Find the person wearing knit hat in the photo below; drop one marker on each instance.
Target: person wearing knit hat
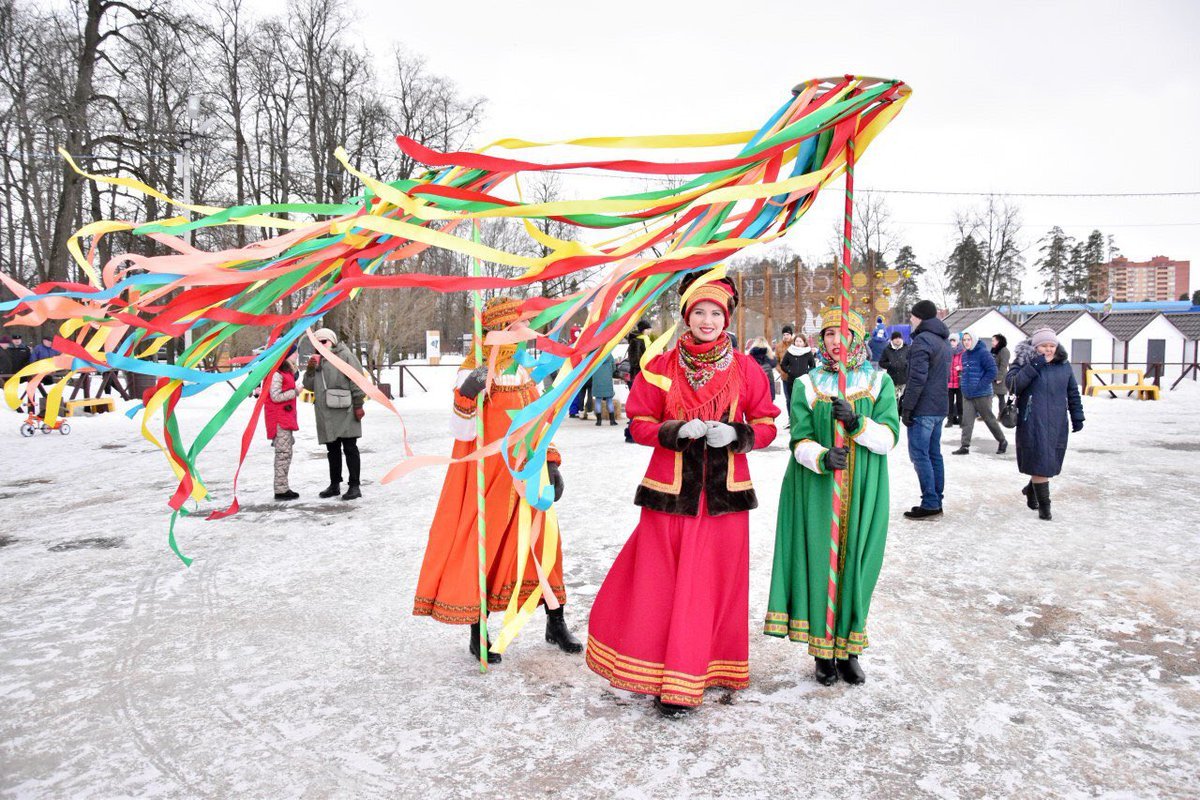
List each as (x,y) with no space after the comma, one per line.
(1047,402)
(796,608)
(924,405)
(448,584)
(670,619)
(338,404)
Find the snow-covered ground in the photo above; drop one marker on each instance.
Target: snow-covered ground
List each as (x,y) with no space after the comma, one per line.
(1010,657)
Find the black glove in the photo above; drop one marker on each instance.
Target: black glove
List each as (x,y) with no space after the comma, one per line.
(1038,360)
(556,479)
(474,383)
(1076,427)
(843,411)
(907,418)
(836,458)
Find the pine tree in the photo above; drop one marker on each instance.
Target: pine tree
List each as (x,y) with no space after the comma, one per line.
(909,291)
(964,272)
(1055,263)
(1093,265)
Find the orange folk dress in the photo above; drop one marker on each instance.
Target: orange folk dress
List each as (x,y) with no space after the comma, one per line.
(448,585)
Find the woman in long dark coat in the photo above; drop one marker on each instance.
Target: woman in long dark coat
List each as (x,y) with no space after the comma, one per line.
(1047,395)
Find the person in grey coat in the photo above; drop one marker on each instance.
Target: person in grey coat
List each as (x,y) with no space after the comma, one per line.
(603,390)
(1000,355)
(339,408)
(1047,400)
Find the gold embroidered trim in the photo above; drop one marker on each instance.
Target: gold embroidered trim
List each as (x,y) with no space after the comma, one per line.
(797,631)
(671,686)
(676,482)
(763,421)
(730,483)
(641,418)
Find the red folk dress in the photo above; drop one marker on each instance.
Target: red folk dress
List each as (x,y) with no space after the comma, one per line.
(672,617)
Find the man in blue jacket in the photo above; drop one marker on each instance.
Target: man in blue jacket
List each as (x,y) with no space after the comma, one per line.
(924,405)
(976,382)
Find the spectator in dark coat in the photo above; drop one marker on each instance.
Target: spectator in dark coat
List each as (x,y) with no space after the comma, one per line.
(979,370)
(6,360)
(923,409)
(44,350)
(639,341)
(798,359)
(760,351)
(20,353)
(895,361)
(1000,355)
(1047,399)
(878,342)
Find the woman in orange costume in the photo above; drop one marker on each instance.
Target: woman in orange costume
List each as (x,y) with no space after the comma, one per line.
(448,586)
(671,618)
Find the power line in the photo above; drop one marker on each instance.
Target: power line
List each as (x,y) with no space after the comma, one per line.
(1028,194)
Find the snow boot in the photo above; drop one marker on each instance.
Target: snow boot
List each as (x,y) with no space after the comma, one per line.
(826,671)
(1002,447)
(612,418)
(964,450)
(288,495)
(352,492)
(493,658)
(557,633)
(671,710)
(332,490)
(1030,497)
(851,671)
(599,420)
(1042,490)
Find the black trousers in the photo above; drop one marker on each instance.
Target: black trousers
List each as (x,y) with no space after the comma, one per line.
(336,448)
(956,407)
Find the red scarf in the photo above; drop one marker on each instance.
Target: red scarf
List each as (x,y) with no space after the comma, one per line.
(704,378)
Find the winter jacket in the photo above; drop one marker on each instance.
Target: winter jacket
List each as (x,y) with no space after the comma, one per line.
(876,345)
(42,351)
(1047,405)
(682,471)
(602,379)
(954,380)
(926,393)
(20,357)
(1001,359)
(638,342)
(978,371)
(798,360)
(6,367)
(279,407)
(335,423)
(761,356)
(895,361)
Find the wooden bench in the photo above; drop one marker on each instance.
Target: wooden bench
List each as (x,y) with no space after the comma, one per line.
(95,405)
(1140,389)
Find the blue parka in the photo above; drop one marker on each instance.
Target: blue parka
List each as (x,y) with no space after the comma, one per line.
(1048,405)
(602,379)
(926,393)
(978,371)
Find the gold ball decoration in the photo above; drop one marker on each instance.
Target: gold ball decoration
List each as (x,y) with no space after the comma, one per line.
(887,291)
(860,280)
(878,274)
(907,273)
(829,299)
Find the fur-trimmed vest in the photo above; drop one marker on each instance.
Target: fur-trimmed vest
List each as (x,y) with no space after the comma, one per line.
(681,469)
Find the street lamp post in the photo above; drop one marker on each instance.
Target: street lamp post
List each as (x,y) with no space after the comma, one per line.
(184,161)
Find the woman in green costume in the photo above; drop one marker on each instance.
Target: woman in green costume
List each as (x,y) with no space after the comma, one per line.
(800,576)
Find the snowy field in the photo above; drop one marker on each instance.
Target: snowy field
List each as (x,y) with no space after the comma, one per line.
(1010,657)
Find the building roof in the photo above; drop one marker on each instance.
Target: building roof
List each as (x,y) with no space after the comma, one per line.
(963,317)
(1189,324)
(1125,325)
(1054,320)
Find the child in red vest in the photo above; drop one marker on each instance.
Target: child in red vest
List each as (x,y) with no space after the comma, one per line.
(280,419)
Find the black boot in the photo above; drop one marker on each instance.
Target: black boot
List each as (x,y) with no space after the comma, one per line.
(352,492)
(288,495)
(964,450)
(1042,490)
(557,633)
(599,421)
(612,418)
(671,710)
(1002,447)
(851,671)
(493,658)
(826,671)
(332,490)
(1030,497)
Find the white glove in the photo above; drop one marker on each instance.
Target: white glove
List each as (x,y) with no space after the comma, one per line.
(720,435)
(693,429)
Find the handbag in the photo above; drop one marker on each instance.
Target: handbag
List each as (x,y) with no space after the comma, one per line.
(337,398)
(1008,414)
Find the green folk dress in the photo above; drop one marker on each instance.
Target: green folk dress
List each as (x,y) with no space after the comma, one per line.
(800,575)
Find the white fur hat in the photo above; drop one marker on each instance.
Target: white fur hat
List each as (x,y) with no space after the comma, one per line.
(325,333)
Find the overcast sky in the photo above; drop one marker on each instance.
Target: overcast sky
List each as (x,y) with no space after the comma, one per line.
(1007,97)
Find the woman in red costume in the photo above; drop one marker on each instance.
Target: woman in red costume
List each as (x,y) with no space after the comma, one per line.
(671,618)
(448,586)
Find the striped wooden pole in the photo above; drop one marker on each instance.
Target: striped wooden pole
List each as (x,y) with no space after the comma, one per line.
(479,483)
(839,429)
